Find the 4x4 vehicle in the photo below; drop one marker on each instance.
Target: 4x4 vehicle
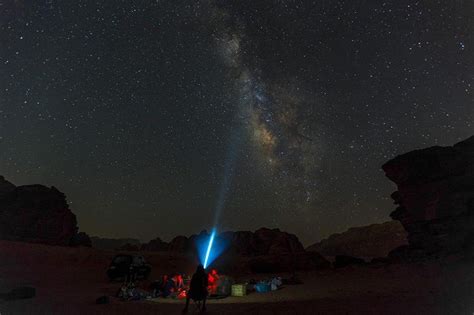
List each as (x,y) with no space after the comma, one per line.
(129,267)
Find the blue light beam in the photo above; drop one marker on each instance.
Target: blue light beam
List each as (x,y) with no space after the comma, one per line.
(209,247)
(229,168)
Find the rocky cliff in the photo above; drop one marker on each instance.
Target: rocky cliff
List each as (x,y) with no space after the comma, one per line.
(112,243)
(36,213)
(264,241)
(435,199)
(155,245)
(375,240)
(265,250)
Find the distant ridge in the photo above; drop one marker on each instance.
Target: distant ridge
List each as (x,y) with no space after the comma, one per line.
(112,243)
(375,240)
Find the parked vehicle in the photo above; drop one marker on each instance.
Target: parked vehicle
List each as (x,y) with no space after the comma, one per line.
(129,267)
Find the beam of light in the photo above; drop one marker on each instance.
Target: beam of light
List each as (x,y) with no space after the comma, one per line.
(244,103)
(229,167)
(209,247)
(243,86)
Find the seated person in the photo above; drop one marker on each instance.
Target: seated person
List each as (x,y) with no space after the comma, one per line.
(212,280)
(168,288)
(157,287)
(178,282)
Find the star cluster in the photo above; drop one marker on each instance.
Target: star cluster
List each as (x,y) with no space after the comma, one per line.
(150,114)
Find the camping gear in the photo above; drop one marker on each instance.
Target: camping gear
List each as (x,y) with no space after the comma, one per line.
(168,288)
(262,287)
(239,289)
(275,283)
(224,286)
(129,292)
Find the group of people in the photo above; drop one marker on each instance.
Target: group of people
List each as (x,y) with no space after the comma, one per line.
(212,281)
(201,285)
(168,286)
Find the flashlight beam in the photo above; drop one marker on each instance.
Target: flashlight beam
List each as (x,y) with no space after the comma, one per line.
(211,240)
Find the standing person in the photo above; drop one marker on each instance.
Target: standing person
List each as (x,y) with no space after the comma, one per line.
(197,288)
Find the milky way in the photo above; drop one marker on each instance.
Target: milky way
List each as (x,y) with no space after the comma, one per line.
(150,115)
(275,115)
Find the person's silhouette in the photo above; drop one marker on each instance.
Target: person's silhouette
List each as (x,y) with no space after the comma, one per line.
(197,288)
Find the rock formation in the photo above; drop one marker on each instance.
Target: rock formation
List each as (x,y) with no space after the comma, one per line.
(35,213)
(342,261)
(277,242)
(264,241)
(285,262)
(112,243)
(81,239)
(243,242)
(265,250)
(375,240)
(435,200)
(155,245)
(5,186)
(180,244)
(129,247)
(272,250)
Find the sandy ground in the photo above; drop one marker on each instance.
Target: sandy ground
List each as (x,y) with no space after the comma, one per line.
(68,280)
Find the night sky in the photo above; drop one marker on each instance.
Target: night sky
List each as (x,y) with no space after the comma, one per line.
(159,118)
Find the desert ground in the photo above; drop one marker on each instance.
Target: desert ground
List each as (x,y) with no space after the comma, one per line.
(68,281)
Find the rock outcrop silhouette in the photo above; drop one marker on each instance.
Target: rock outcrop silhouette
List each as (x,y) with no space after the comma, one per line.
(435,200)
(375,240)
(112,243)
(38,214)
(265,250)
(155,245)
